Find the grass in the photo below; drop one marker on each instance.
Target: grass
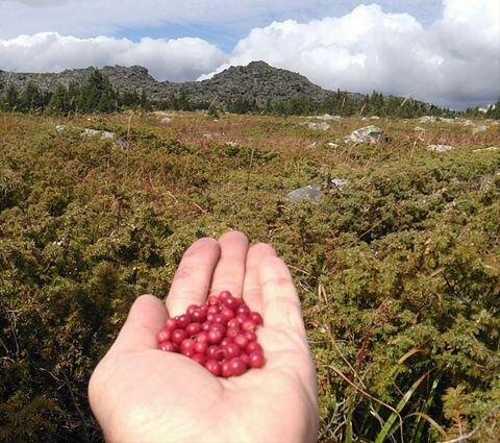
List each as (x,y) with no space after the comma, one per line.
(398,271)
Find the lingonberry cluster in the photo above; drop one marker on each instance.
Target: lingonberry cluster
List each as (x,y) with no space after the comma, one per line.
(219,335)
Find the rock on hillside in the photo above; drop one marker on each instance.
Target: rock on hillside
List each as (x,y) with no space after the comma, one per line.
(258,81)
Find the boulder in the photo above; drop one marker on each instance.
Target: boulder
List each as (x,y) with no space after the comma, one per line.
(103,135)
(309,193)
(323,126)
(338,183)
(427,119)
(440,148)
(327,117)
(479,129)
(369,134)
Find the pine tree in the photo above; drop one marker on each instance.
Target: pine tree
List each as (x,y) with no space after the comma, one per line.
(31,98)
(59,103)
(11,101)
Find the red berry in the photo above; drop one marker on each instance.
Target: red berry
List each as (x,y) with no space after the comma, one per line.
(199,315)
(250,336)
(243,310)
(242,318)
(219,318)
(206,326)
(200,347)
(256,359)
(200,358)
(168,346)
(233,323)
(171,324)
(232,332)
(214,367)
(224,295)
(163,335)
(215,353)
(240,340)
(187,347)
(248,325)
(245,359)
(256,318)
(226,372)
(218,326)
(177,336)
(232,302)
(253,346)
(219,335)
(215,336)
(232,350)
(236,367)
(183,320)
(202,337)
(213,301)
(193,329)
(227,314)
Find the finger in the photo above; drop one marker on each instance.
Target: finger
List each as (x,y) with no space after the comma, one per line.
(230,271)
(192,279)
(251,287)
(146,317)
(280,302)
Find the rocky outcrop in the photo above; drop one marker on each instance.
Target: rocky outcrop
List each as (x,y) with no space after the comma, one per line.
(257,82)
(369,134)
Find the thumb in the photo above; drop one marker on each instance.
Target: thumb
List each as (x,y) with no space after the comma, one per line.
(145,319)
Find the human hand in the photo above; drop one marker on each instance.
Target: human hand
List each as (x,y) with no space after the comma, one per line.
(141,394)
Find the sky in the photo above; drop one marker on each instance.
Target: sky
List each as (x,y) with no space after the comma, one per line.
(443,51)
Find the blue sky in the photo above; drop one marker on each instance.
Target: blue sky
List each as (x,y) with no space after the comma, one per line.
(227,34)
(444,51)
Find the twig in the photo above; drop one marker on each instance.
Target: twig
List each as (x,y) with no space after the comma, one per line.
(371,397)
(471,433)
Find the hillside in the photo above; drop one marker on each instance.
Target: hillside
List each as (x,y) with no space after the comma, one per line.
(258,83)
(396,262)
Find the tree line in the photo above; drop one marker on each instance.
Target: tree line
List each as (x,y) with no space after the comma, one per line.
(97,95)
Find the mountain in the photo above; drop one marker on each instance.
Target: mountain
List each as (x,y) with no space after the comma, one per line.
(257,81)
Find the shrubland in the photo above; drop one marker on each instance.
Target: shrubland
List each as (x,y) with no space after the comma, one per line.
(397,271)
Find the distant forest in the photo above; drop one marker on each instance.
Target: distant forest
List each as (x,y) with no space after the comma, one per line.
(97,95)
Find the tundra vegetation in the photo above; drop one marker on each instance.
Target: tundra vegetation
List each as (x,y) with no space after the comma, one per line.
(397,269)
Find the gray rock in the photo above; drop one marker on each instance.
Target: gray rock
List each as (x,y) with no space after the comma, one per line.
(440,148)
(369,134)
(479,129)
(323,126)
(338,183)
(490,149)
(333,145)
(427,119)
(327,117)
(308,193)
(103,135)
(60,129)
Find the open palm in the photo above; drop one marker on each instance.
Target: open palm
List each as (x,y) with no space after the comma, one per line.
(141,394)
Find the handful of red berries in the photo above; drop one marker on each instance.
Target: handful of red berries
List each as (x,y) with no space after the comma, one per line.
(219,335)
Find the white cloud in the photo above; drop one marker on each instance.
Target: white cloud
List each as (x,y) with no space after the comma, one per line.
(456,60)
(87,18)
(452,61)
(175,60)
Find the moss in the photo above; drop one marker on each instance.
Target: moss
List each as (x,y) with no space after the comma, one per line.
(398,271)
